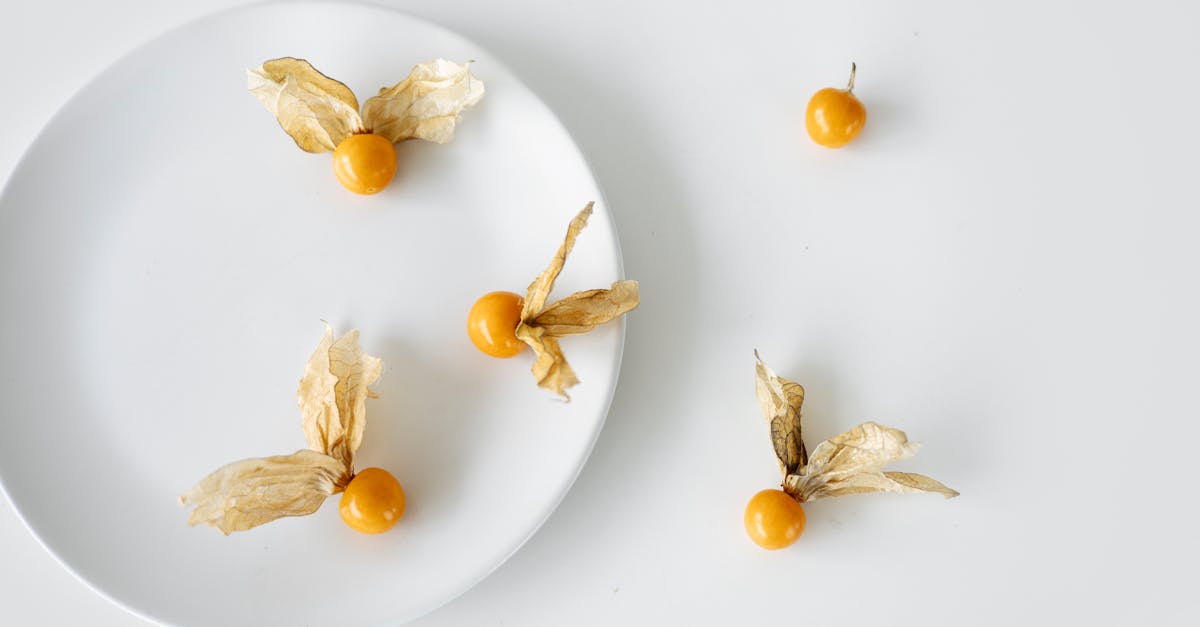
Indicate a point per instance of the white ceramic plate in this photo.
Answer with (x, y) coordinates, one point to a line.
(167, 256)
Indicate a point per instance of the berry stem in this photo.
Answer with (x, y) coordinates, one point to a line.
(853, 71)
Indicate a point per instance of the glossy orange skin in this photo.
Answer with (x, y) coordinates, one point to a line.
(774, 520)
(373, 501)
(834, 117)
(492, 324)
(364, 163)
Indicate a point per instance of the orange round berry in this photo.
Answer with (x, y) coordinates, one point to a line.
(373, 501)
(492, 324)
(364, 163)
(773, 519)
(835, 116)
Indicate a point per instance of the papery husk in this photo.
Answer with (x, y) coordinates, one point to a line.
(245, 494)
(539, 290)
(355, 371)
(583, 311)
(850, 463)
(332, 399)
(317, 111)
(425, 105)
(332, 395)
(781, 401)
(542, 325)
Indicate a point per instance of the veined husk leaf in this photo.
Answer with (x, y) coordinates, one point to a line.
(781, 400)
(542, 325)
(332, 395)
(332, 398)
(318, 402)
(539, 291)
(425, 105)
(248, 493)
(583, 311)
(317, 111)
(850, 463)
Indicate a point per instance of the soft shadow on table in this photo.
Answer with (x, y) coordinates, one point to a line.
(948, 422)
(408, 444)
(654, 223)
(885, 115)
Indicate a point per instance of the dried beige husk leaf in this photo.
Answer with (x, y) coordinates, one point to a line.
(318, 403)
(539, 291)
(317, 111)
(425, 105)
(248, 493)
(781, 400)
(355, 371)
(583, 311)
(332, 398)
(850, 463)
(920, 483)
(542, 325)
(550, 367)
(332, 395)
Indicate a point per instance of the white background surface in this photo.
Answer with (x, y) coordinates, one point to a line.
(1003, 265)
